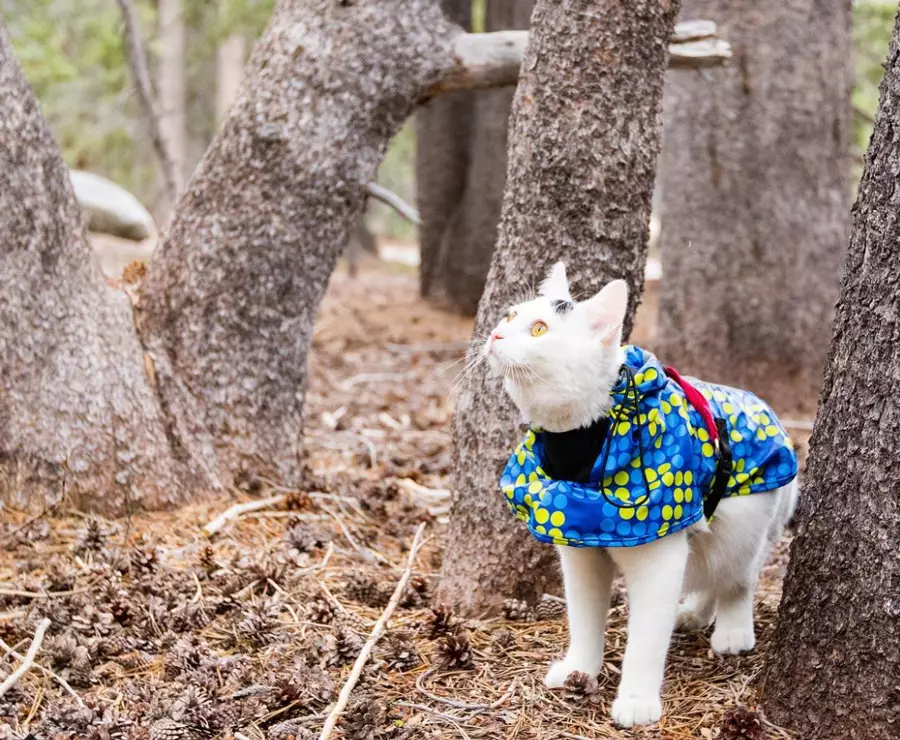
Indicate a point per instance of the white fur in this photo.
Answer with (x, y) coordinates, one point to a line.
(561, 381)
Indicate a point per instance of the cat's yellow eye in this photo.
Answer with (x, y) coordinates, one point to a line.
(511, 315)
(538, 328)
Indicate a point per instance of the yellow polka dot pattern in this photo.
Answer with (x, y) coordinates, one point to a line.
(614, 509)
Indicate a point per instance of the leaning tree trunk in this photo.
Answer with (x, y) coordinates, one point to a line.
(78, 416)
(834, 666)
(228, 308)
(443, 135)
(462, 204)
(585, 135)
(755, 178)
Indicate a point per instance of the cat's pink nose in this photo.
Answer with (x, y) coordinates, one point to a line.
(496, 335)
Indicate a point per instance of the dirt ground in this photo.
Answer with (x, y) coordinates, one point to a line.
(160, 630)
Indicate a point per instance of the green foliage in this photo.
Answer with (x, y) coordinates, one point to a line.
(872, 24)
(72, 53)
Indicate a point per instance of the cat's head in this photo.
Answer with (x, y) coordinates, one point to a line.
(559, 358)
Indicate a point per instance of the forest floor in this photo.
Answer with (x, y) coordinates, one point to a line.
(163, 631)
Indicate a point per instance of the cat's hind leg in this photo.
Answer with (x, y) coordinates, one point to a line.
(587, 575)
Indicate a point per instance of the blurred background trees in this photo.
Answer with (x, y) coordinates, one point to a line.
(72, 54)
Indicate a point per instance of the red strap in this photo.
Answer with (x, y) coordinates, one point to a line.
(697, 400)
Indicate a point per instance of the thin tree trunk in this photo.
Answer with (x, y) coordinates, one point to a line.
(835, 661)
(230, 59)
(443, 136)
(77, 413)
(755, 175)
(228, 308)
(172, 85)
(456, 260)
(585, 136)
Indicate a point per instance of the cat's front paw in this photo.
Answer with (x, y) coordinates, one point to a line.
(636, 709)
(733, 641)
(560, 670)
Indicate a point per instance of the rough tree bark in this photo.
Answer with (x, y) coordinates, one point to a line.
(755, 177)
(456, 249)
(833, 670)
(443, 135)
(227, 310)
(77, 413)
(585, 136)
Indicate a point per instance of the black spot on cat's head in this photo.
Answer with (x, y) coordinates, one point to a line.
(562, 307)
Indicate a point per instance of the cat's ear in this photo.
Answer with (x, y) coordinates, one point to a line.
(556, 285)
(606, 310)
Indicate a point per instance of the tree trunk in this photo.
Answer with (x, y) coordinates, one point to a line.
(585, 136)
(443, 135)
(172, 85)
(755, 176)
(228, 308)
(834, 665)
(78, 416)
(226, 313)
(456, 260)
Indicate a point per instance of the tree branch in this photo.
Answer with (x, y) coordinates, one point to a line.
(13, 678)
(374, 190)
(137, 60)
(489, 60)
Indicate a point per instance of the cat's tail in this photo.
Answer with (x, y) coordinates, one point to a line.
(789, 503)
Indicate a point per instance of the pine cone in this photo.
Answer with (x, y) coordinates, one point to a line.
(549, 609)
(454, 651)
(402, 654)
(298, 501)
(308, 687)
(290, 730)
(365, 720)
(364, 589)
(580, 688)
(518, 611)
(206, 558)
(91, 538)
(61, 650)
(417, 593)
(169, 729)
(320, 611)
(741, 723)
(442, 620)
(144, 558)
(349, 644)
(259, 623)
(303, 537)
(503, 640)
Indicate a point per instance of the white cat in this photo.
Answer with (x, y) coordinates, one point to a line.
(560, 360)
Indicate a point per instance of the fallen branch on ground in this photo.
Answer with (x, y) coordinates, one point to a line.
(229, 515)
(25, 663)
(377, 631)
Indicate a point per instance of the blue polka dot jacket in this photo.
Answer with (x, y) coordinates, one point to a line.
(655, 440)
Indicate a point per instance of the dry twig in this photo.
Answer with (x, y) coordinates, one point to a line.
(25, 663)
(377, 632)
(235, 511)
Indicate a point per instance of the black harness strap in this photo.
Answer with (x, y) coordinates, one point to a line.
(724, 466)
